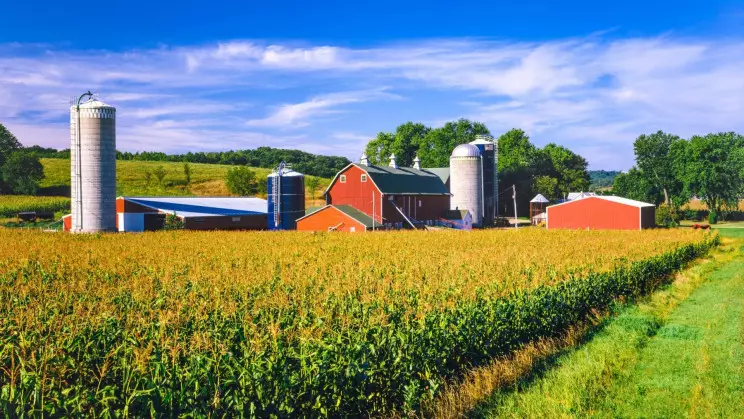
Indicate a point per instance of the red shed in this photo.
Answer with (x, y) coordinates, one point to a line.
(336, 218)
(393, 196)
(601, 213)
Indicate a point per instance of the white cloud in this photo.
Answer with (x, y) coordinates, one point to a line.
(593, 94)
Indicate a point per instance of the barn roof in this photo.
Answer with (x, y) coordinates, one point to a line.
(400, 180)
(405, 180)
(352, 212)
(187, 207)
(442, 172)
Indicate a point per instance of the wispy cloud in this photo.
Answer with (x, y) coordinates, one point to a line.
(299, 114)
(591, 93)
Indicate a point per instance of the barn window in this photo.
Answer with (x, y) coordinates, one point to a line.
(342, 179)
(364, 178)
(197, 220)
(236, 219)
(419, 203)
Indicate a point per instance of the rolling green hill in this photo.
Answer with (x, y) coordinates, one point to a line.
(131, 178)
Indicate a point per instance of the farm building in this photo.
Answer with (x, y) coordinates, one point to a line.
(337, 218)
(601, 213)
(396, 197)
(197, 213)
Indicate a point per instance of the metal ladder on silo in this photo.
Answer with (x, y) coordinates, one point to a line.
(276, 194)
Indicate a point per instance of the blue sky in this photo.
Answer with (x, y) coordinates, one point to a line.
(327, 76)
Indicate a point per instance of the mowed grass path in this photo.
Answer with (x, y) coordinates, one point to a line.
(678, 354)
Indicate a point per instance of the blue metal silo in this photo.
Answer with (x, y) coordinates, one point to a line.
(286, 197)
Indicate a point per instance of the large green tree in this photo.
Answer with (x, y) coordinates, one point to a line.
(655, 158)
(437, 146)
(635, 185)
(8, 144)
(566, 167)
(433, 146)
(712, 167)
(405, 143)
(516, 162)
(22, 172)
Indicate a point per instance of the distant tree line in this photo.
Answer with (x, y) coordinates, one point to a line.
(266, 157)
(670, 170)
(602, 179)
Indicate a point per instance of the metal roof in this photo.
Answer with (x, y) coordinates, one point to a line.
(442, 172)
(481, 140)
(350, 211)
(404, 180)
(576, 195)
(539, 198)
(466, 150)
(188, 207)
(617, 199)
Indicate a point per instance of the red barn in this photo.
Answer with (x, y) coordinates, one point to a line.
(396, 197)
(601, 213)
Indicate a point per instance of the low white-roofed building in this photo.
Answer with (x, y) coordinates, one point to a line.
(197, 213)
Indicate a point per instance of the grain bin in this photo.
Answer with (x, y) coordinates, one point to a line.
(487, 149)
(286, 198)
(93, 165)
(466, 181)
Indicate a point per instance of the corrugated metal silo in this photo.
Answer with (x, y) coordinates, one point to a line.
(93, 166)
(487, 148)
(286, 198)
(466, 181)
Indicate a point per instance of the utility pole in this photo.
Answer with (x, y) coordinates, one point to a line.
(514, 197)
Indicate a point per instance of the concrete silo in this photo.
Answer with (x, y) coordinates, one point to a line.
(93, 165)
(487, 149)
(466, 181)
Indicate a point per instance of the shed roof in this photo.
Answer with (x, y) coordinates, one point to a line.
(187, 207)
(456, 214)
(350, 211)
(539, 198)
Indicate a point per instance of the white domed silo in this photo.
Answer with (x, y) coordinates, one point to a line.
(466, 181)
(93, 166)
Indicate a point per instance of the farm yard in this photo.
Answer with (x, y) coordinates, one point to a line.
(297, 324)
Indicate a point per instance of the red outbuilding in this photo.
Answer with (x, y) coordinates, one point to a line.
(601, 213)
(392, 196)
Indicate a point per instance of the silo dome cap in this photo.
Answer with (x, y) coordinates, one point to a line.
(466, 150)
(94, 104)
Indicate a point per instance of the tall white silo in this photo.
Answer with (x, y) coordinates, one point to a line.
(466, 181)
(93, 166)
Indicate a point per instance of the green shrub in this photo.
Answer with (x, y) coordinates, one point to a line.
(667, 216)
(713, 217)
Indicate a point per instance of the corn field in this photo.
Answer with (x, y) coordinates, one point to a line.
(294, 324)
(11, 205)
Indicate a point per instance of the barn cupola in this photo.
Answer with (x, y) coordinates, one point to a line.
(417, 163)
(364, 160)
(393, 164)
